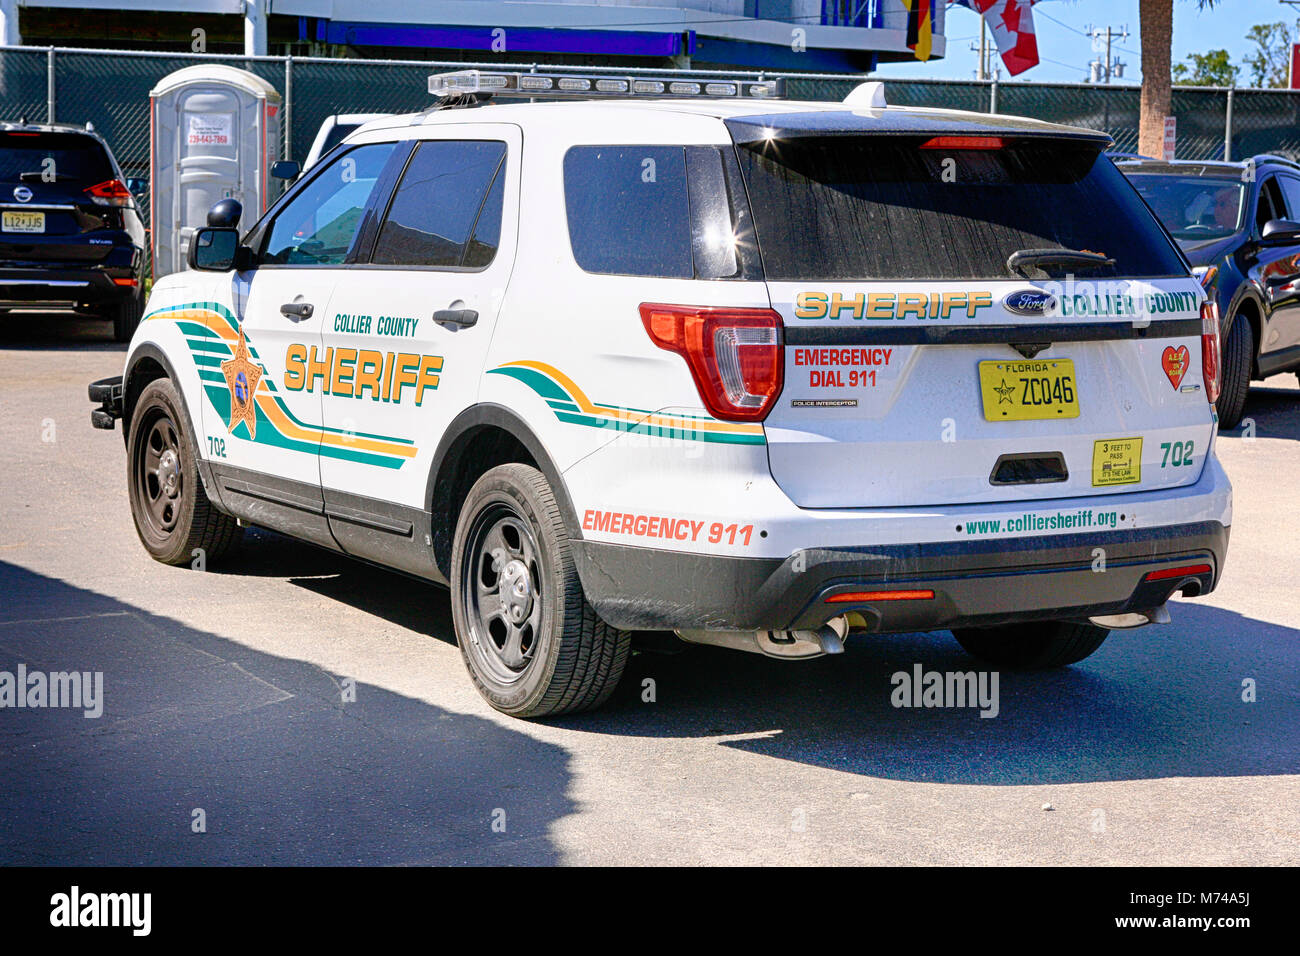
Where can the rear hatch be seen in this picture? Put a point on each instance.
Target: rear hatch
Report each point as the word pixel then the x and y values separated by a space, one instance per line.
pixel 920 367
pixel 55 189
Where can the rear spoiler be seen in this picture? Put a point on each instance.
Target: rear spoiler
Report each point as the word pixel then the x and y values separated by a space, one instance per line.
pixel 901 122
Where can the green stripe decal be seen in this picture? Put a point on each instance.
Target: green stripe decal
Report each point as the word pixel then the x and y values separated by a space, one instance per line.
pixel 567 410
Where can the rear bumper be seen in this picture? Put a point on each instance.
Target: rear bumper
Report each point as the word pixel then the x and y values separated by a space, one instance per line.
pixel 64 287
pixel 975 583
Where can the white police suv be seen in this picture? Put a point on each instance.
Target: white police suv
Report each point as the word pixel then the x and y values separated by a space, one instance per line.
pixel 688 356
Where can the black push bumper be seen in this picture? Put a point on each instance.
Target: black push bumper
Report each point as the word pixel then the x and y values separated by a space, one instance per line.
pixel 107 394
pixel 974 583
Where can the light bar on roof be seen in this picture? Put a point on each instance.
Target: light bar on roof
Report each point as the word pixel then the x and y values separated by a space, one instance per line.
pixel 592 86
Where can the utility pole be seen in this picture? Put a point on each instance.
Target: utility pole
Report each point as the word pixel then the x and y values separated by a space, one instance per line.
pixel 986 70
pixel 1101 70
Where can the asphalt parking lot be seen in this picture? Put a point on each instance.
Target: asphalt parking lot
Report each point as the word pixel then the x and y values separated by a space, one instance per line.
pixel 223 693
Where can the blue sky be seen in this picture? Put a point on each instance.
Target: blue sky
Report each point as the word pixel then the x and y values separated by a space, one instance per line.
pixel 1064 54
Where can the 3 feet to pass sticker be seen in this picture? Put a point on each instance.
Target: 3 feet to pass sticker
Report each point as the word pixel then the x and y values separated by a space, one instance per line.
pixel 1117 461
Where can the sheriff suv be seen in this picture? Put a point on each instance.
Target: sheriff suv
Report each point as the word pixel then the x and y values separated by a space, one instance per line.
pixel 71 236
pixel 688 356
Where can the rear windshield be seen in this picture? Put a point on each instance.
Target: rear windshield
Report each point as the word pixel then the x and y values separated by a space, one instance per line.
pixel 873 207
pixel 52 157
pixel 1194 207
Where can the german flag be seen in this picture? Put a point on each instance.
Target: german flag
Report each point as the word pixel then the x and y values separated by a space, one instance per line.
pixel 919 23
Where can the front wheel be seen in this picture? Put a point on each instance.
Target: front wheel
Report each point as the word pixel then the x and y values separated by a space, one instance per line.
pixel 532 644
pixel 1035 645
pixel 172 513
pixel 1238 357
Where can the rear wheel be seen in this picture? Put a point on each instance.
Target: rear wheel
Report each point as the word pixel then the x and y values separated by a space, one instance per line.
pixel 126 317
pixel 172 513
pixel 533 645
pixel 1238 356
pixel 1034 645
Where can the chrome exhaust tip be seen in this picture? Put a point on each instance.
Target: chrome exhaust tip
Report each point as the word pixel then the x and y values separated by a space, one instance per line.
pixel 1120 622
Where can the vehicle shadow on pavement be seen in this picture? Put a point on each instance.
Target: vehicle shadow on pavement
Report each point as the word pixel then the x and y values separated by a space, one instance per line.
pixel 284 771
pixel 1164 701
pixel 1275 413
pixel 1161 701
pixel 58 331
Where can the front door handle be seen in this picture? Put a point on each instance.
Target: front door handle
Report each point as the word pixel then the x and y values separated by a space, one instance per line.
pixel 462 318
pixel 297 310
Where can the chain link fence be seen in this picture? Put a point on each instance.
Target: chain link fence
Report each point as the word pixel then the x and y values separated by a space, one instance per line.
pixel 111 90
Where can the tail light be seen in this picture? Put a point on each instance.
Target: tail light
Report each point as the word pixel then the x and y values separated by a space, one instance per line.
pixel 111 192
pixel 735 355
pixel 1210 349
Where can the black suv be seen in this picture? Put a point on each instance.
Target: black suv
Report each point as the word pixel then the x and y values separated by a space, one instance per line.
pixel 1239 225
pixel 70 234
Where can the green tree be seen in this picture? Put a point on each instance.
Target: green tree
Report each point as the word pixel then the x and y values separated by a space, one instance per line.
pixel 1270 63
pixel 1206 69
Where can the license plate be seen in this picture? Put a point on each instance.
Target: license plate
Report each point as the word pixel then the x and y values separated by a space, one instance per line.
pixel 1028 389
pixel 23 221
pixel 1117 461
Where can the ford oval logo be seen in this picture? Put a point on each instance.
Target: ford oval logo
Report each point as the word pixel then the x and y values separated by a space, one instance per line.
pixel 1030 302
pixel 22 194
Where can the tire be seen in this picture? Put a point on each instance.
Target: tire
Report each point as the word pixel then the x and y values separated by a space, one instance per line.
pixel 1036 645
pixel 126 318
pixel 172 513
pixel 540 651
pixel 1238 357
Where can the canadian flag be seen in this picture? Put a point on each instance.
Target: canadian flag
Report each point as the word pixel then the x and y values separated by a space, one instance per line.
pixel 1012 23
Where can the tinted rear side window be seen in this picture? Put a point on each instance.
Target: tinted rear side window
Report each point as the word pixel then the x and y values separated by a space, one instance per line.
pixel 628 210
pixel 439 202
pixel 67 156
pixel 857 207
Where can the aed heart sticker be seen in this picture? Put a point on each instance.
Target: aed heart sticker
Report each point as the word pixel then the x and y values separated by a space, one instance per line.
pixel 1175 361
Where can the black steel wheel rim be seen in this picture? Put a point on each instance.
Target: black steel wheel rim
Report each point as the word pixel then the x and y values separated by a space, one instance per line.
pixel 502 593
pixel 159 477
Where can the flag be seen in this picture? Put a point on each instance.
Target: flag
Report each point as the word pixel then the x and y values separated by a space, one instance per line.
pixel 919 23
pixel 1012 25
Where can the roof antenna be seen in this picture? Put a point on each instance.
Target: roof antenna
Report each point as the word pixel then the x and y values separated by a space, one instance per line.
pixel 22 120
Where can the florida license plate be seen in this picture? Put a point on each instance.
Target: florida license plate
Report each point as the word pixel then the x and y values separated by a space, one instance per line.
pixel 1028 389
pixel 22 221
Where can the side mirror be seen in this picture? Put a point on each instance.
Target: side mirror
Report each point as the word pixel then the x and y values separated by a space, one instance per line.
pixel 285 169
pixel 137 186
pixel 1281 230
pixel 214 249
pixel 225 214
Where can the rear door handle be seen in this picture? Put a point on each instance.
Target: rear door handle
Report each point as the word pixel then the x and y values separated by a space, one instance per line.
pixel 297 310
pixel 463 318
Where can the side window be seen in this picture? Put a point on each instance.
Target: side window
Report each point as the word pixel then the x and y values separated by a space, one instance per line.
pixel 318 225
pixel 1270 203
pixel 439 216
pixel 1291 190
pixel 628 210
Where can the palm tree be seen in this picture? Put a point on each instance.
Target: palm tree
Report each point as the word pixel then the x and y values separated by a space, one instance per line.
pixel 1156 19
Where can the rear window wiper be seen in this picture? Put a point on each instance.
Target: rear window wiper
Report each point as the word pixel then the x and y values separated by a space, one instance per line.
pixel 1040 259
pixel 38 176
